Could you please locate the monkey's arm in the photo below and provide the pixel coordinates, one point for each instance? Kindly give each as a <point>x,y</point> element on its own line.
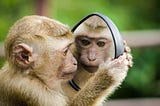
<point>92,90</point>
<point>107,78</point>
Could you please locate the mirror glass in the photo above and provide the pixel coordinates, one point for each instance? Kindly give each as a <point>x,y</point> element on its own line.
<point>96,26</point>
<point>101,31</point>
<point>96,35</point>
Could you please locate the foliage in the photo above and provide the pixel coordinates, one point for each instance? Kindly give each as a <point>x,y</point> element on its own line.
<point>12,10</point>
<point>143,79</point>
<point>127,15</point>
<point>1,61</point>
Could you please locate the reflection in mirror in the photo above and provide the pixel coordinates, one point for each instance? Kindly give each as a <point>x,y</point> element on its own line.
<point>96,40</point>
<point>93,34</point>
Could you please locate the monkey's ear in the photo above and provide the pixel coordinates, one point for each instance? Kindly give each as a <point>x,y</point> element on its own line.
<point>23,55</point>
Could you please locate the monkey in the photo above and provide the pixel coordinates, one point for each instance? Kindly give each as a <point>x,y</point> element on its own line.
<point>38,61</point>
<point>98,74</point>
<point>108,77</point>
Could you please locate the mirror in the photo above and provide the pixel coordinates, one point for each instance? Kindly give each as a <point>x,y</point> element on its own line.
<point>99,26</point>
<point>96,40</point>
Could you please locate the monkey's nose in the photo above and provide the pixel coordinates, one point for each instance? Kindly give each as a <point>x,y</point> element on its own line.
<point>91,59</point>
<point>92,55</point>
<point>74,62</point>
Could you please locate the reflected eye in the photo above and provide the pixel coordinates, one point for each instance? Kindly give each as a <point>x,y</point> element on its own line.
<point>84,42</point>
<point>101,43</point>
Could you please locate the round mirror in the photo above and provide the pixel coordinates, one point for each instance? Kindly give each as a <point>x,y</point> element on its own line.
<point>102,30</point>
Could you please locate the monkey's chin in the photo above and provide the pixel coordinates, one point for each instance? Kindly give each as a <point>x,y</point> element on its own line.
<point>90,69</point>
<point>68,76</point>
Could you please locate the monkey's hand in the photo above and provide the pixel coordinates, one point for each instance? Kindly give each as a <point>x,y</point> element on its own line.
<point>118,68</point>
<point>108,77</point>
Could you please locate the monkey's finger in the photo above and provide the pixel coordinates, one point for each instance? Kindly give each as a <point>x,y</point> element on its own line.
<point>120,59</point>
<point>127,49</point>
<point>124,43</point>
<point>128,61</point>
<point>130,64</point>
<point>129,56</point>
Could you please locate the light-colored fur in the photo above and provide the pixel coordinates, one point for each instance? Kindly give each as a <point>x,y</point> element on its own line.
<point>38,84</point>
<point>29,90</point>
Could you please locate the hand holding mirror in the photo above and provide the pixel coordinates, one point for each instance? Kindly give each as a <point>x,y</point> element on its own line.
<point>97,40</point>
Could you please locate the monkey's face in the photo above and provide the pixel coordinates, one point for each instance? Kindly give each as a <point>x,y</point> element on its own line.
<point>92,51</point>
<point>48,59</point>
<point>58,62</point>
<point>63,59</point>
<point>94,46</point>
<point>69,65</point>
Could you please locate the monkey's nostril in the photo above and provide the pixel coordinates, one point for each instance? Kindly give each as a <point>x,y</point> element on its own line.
<point>74,63</point>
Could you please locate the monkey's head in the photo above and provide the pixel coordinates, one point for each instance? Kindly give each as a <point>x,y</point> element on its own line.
<point>94,44</point>
<point>33,49</point>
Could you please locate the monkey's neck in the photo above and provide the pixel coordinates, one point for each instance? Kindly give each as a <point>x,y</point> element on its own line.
<point>82,76</point>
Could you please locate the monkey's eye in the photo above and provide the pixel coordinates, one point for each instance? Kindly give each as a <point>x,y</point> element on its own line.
<point>101,43</point>
<point>85,42</point>
<point>65,52</point>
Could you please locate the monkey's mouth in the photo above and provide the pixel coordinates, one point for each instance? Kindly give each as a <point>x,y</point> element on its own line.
<point>90,65</point>
<point>90,68</point>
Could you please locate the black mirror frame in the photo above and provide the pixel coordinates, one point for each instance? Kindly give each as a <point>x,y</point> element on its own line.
<point>118,42</point>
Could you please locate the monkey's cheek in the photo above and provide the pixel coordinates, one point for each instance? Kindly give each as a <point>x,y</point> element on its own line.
<point>69,69</point>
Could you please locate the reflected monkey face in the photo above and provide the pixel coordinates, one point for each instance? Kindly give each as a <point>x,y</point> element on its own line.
<point>94,40</point>
<point>94,47</point>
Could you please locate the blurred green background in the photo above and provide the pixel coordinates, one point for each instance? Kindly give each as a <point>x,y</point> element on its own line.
<point>143,79</point>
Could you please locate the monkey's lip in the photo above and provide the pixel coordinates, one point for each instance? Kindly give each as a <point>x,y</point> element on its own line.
<point>90,64</point>
<point>91,68</point>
